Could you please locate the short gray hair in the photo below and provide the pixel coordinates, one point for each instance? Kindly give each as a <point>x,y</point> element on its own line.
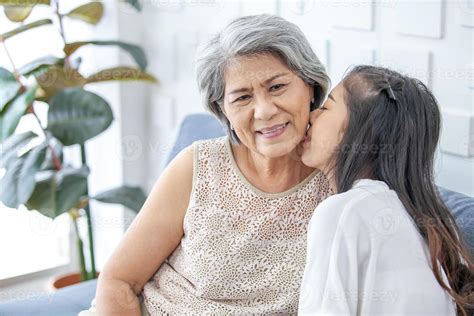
<point>255,35</point>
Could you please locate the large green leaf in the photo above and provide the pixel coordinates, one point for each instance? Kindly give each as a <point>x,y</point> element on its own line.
<point>18,13</point>
<point>76,115</point>
<point>24,28</point>
<point>19,180</point>
<point>72,187</point>
<point>57,192</point>
<point>135,51</point>
<point>8,184</point>
<point>43,198</point>
<point>55,79</point>
<point>37,66</point>
<point>24,2</point>
<point>131,197</point>
<point>135,3</point>
<point>9,87</point>
<point>32,163</point>
<point>12,147</point>
<point>122,74</point>
<point>13,112</point>
<point>90,12</point>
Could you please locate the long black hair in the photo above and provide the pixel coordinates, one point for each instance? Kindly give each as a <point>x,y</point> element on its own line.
<point>391,135</point>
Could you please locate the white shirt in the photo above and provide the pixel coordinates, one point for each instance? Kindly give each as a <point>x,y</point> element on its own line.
<point>365,256</point>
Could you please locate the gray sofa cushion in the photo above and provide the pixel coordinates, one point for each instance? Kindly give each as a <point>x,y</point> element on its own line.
<point>462,208</point>
<point>64,302</point>
<point>195,127</point>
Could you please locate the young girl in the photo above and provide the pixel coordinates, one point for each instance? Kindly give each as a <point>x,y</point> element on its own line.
<point>385,244</point>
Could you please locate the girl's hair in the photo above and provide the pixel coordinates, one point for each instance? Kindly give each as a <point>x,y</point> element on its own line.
<point>391,135</point>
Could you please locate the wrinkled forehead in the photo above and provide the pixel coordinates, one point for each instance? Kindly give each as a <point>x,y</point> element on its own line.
<point>256,68</point>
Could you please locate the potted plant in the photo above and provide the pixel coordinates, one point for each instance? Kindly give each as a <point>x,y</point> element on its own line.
<point>36,174</point>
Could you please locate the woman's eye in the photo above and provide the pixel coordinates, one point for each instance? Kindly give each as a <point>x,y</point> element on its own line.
<point>242,98</point>
<point>276,87</point>
<point>322,108</point>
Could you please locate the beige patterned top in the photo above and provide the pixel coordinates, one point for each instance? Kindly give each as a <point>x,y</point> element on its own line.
<point>243,250</point>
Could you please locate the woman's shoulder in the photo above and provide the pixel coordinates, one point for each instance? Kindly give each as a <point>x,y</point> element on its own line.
<point>182,165</point>
<point>359,207</point>
<point>217,142</point>
<point>211,147</point>
<point>212,150</point>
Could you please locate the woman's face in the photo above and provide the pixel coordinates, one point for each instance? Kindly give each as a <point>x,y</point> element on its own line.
<point>326,131</point>
<point>267,104</point>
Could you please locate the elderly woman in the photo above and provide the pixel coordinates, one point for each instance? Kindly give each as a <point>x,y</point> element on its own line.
<point>224,228</point>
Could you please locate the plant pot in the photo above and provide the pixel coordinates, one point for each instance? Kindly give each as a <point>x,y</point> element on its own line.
<point>66,280</point>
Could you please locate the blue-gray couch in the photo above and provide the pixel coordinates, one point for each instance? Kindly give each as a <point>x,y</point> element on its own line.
<point>71,300</point>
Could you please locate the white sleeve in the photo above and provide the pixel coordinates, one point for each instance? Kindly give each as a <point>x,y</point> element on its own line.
<point>330,281</point>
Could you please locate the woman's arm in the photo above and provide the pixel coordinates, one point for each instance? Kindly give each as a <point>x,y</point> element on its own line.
<point>330,281</point>
<point>150,239</point>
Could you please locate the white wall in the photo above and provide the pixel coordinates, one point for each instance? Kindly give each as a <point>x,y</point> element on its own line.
<point>428,39</point>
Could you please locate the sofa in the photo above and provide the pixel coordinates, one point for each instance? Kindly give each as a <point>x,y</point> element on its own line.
<point>75,298</point>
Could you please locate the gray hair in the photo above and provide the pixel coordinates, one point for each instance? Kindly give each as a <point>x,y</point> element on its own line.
<point>255,35</point>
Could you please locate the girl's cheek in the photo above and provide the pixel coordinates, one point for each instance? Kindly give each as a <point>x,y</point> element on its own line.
<point>341,131</point>
<point>340,136</point>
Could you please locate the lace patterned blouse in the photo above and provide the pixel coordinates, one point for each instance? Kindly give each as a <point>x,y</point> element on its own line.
<point>243,250</point>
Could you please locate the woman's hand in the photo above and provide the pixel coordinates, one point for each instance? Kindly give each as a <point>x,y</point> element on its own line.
<point>151,238</point>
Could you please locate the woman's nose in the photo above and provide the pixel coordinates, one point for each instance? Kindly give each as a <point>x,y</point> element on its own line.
<point>265,109</point>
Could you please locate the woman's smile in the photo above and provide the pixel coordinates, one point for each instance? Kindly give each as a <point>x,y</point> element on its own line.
<point>272,132</point>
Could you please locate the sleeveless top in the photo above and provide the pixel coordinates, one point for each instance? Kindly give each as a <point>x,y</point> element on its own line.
<point>243,250</point>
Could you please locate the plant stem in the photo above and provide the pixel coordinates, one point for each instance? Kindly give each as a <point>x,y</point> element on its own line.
<point>80,249</point>
<point>56,162</point>
<point>83,153</point>
<point>61,31</point>
<point>89,219</point>
<point>15,71</point>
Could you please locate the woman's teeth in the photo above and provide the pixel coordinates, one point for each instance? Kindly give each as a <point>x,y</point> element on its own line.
<point>272,130</point>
